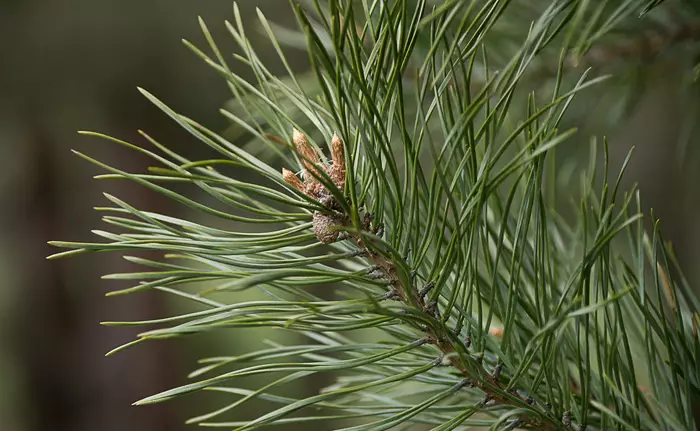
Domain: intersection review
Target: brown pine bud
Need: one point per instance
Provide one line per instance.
(294, 181)
(337, 172)
(309, 157)
(324, 227)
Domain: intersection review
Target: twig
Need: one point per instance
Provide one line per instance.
(439, 339)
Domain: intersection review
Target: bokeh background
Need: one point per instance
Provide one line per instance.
(68, 65)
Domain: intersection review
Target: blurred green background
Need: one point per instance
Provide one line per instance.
(68, 65)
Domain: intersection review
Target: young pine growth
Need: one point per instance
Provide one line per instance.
(424, 269)
(326, 227)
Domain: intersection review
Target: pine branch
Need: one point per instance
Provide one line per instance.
(435, 215)
(327, 228)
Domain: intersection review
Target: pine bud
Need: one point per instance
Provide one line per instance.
(337, 173)
(309, 157)
(291, 179)
(324, 227)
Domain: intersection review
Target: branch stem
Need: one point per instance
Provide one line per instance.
(439, 338)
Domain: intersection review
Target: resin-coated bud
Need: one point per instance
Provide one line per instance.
(324, 227)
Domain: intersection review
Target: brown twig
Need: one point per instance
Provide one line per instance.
(439, 338)
(648, 46)
(651, 44)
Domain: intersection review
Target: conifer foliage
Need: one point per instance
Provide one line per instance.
(398, 205)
